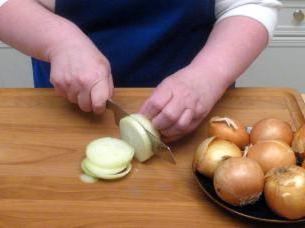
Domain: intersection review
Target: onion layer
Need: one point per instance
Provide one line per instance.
(285, 191)
(211, 152)
(228, 129)
(271, 154)
(271, 129)
(239, 181)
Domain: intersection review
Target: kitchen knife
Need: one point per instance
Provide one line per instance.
(159, 148)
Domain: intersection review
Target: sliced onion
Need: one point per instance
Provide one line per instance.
(285, 191)
(211, 152)
(102, 175)
(239, 181)
(271, 129)
(134, 134)
(271, 154)
(109, 153)
(229, 129)
(99, 171)
(87, 171)
(88, 179)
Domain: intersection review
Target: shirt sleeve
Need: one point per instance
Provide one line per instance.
(264, 11)
(2, 2)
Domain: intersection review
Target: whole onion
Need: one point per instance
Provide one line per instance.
(271, 128)
(285, 191)
(298, 142)
(271, 154)
(239, 181)
(229, 129)
(211, 152)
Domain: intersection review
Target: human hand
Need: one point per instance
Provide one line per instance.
(180, 103)
(82, 74)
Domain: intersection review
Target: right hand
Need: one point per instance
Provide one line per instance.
(82, 74)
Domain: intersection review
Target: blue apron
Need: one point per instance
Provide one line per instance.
(145, 41)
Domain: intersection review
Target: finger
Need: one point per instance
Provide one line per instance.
(169, 115)
(84, 101)
(193, 125)
(158, 100)
(72, 94)
(181, 126)
(99, 95)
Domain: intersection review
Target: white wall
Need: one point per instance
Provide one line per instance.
(15, 68)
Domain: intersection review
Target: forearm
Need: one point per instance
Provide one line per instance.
(232, 46)
(34, 30)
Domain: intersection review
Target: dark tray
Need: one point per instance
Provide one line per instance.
(258, 211)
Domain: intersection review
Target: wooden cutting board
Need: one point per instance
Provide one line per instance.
(43, 139)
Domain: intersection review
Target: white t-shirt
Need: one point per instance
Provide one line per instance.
(264, 11)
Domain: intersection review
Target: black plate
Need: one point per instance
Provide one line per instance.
(258, 211)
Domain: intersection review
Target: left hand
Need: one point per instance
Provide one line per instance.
(179, 103)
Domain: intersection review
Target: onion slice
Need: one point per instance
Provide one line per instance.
(91, 170)
(109, 153)
(99, 171)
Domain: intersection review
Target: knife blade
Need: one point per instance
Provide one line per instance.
(159, 148)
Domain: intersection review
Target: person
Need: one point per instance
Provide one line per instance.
(190, 51)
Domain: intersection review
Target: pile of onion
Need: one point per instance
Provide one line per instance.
(271, 129)
(239, 181)
(271, 154)
(211, 153)
(228, 129)
(285, 191)
(268, 164)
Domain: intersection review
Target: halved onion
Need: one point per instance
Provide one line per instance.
(271, 154)
(211, 152)
(271, 129)
(285, 191)
(133, 133)
(239, 181)
(229, 129)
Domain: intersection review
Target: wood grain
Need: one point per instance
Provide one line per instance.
(42, 141)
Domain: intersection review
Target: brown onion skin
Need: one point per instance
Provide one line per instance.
(283, 194)
(211, 152)
(239, 181)
(271, 129)
(271, 154)
(221, 130)
(298, 142)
